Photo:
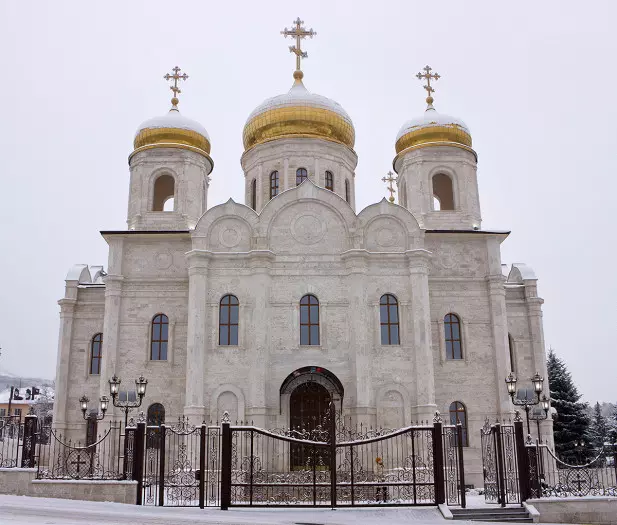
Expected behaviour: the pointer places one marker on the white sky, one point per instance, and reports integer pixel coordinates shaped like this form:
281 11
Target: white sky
533 80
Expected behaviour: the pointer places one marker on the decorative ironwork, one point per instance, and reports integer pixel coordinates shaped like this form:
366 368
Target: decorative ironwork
500 464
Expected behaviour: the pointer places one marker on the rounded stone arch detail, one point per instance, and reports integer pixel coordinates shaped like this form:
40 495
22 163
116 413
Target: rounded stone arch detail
227 210
380 404
448 171
219 391
153 177
414 236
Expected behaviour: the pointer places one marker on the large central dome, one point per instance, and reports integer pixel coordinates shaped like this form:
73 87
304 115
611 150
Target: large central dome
298 113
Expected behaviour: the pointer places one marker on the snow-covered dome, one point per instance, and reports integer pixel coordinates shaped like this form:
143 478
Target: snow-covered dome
172 130
432 127
298 113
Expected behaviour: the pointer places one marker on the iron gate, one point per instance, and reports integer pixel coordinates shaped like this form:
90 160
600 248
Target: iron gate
499 462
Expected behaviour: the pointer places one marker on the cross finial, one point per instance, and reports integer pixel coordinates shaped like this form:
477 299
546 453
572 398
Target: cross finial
175 77
428 76
298 32
390 179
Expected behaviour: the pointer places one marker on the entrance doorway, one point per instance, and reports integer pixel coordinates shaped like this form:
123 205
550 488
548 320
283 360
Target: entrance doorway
307 410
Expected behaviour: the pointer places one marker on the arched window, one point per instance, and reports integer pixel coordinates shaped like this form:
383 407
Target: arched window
159 338
443 194
163 193
512 358
228 320
347 190
274 184
95 354
454 346
388 316
254 194
309 320
329 181
458 414
155 418
301 176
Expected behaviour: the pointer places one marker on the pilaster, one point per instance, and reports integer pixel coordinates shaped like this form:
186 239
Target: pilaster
65 338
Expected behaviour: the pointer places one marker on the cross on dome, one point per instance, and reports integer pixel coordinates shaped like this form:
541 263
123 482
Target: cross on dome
390 179
298 32
428 76
175 77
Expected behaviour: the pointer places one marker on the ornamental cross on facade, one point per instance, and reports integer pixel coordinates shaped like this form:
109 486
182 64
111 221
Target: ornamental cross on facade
390 179
175 77
298 32
428 76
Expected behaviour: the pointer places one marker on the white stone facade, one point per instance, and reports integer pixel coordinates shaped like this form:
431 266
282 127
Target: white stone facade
306 240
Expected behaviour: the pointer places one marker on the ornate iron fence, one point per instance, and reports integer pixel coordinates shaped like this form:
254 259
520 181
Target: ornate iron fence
62 459
551 477
11 441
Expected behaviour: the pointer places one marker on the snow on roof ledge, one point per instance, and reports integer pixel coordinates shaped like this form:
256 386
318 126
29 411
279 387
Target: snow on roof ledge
521 272
86 275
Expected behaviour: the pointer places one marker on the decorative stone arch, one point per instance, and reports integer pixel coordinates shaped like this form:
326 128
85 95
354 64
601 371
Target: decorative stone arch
162 185
307 374
454 187
221 213
218 393
382 405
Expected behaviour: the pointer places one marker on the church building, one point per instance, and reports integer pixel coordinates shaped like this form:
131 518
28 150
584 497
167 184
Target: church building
273 307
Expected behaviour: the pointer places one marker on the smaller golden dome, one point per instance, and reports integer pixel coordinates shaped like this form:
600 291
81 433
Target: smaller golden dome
298 113
432 128
172 130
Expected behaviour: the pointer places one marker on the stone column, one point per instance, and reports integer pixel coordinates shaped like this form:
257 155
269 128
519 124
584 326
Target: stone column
196 349
360 338
261 199
67 313
317 178
285 181
421 336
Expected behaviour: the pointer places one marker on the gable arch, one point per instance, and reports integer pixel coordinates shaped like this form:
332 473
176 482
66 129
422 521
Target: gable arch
211 233
389 227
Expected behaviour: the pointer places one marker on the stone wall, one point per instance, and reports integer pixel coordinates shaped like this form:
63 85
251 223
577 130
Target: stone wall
596 510
21 482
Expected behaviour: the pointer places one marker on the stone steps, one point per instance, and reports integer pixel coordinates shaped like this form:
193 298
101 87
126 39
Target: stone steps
501 514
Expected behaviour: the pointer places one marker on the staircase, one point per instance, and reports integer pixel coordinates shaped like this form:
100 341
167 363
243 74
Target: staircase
502 514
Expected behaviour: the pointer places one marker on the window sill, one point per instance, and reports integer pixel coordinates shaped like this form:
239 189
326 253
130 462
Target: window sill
158 361
230 346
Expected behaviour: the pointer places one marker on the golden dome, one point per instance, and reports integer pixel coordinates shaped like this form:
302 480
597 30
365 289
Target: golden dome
172 130
298 113
433 128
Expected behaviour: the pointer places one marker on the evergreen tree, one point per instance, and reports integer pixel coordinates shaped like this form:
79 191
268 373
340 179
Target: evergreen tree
572 420
599 429
612 426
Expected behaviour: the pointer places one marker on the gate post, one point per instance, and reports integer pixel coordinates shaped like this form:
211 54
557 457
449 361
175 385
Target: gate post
440 492
500 472
138 456
202 465
29 443
332 455
461 463
161 443
226 443
522 461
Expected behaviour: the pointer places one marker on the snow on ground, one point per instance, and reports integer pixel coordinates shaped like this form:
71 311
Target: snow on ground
23 510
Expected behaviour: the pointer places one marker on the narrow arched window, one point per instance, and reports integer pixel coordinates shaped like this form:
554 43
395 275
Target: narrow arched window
254 194
159 338
96 346
301 176
388 316
443 194
228 320
163 193
329 181
155 418
512 358
458 414
454 345
347 190
309 320
274 184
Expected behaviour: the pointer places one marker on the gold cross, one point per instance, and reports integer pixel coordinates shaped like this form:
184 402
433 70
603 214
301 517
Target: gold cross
298 32
390 179
175 77
428 76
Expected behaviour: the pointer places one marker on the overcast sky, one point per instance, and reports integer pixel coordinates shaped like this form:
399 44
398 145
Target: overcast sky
534 81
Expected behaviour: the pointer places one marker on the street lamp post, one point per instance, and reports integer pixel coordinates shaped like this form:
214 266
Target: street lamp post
126 406
83 404
579 446
538 385
541 415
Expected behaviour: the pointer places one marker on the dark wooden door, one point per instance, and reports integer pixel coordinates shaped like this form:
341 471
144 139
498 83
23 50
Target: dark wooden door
307 408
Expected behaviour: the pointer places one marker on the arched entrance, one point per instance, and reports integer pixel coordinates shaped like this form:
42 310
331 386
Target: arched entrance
306 395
